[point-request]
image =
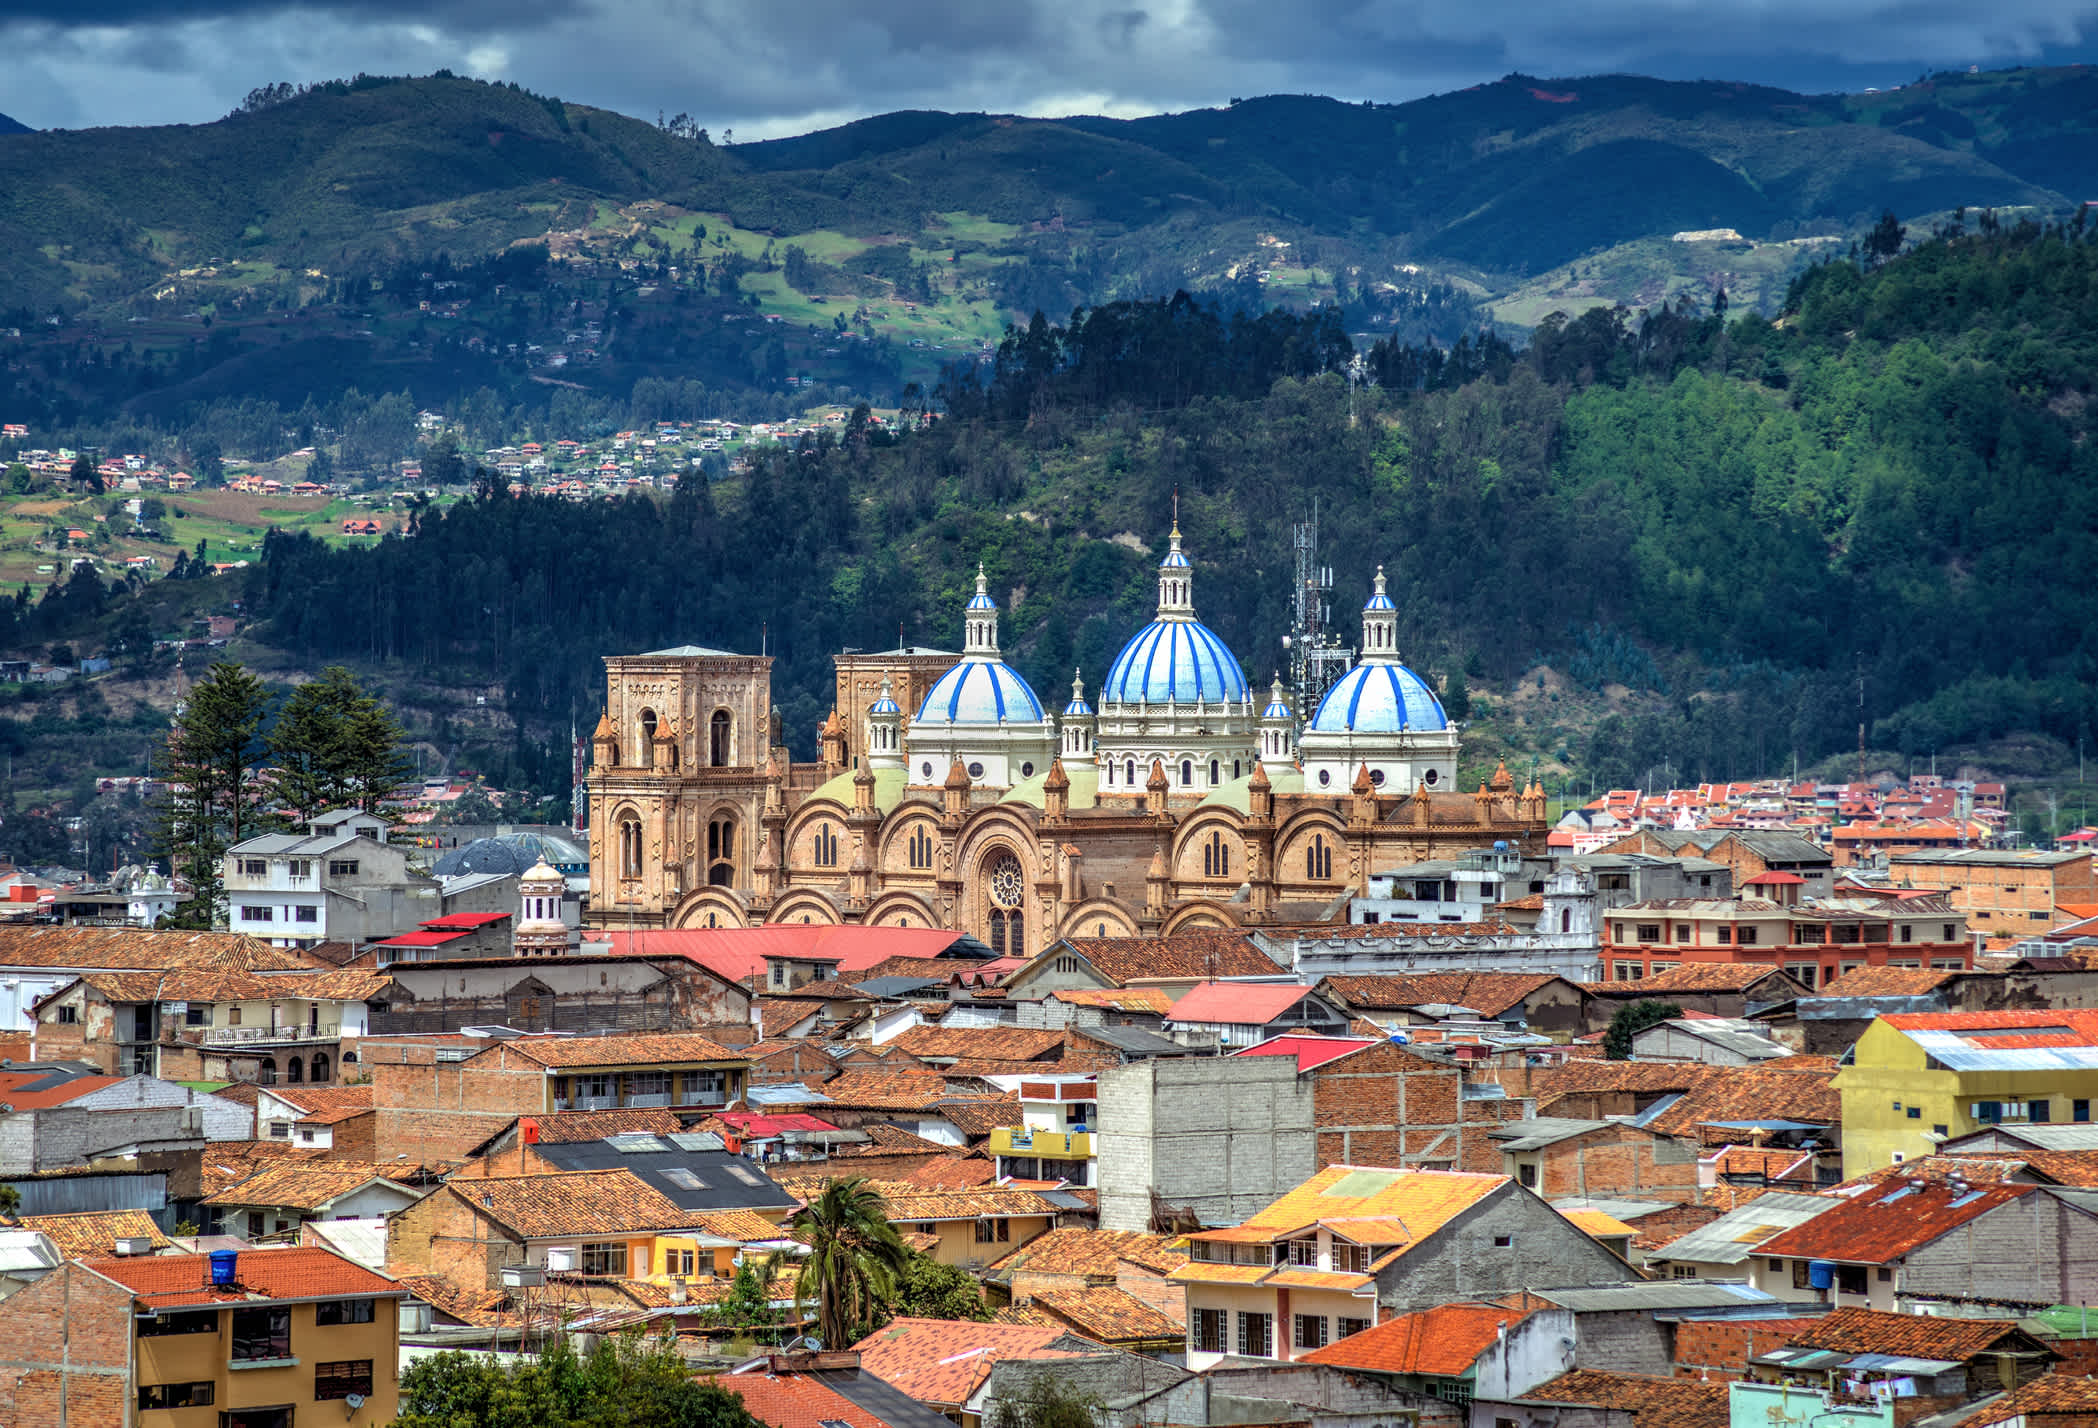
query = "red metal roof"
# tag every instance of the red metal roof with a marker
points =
(466, 919)
(738, 953)
(1237, 1003)
(1776, 880)
(757, 1126)
(421, 939)
(1310, 1051)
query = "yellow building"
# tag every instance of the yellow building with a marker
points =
(1918, 1080)
(256, 1339)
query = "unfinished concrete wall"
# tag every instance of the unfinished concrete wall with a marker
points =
(1220, 1137)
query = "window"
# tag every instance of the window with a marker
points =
(67, 1016)
(1351, 1259)
(307, 912)
(2039, 1112)
(1915, 1113)
(1526, 1173)
(678, 1262)
(2080, 1111)
(1723, 935)
(1682, 932)
(197, 1015)
(1216, 857)
(1301, 1252)
(194, 1321)
(1776, 1264)
(1310, 1331)
(342, 867)
(826, 846)
(1746, 937)
(1214, 768)
(1850, 1279)
(176, 1395)
(1682, 1271)
(920, 847)
(1939, 1131)
(254, 867)
(1883, 1275)
(648, 1083)
(718, 738)
(1988, 1112)
(340, 1380)
(994, 1231)
(280, 1130)
(249, 912)
(302, 867)
(260, 1335)
(605, 1258)
(1503, 1241)
(1256, 1335)
(683, 1178)
(1187, 772)
(1908, 933)
(1649, 932)
(1206, 1332)
(1799, 1273)
(1318, 859)
(343, 1311)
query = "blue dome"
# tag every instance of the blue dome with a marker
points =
(1379, 699)
(1078, 708)
(1174, 661)
(1276, 710)
(980, 691)
(885, 705)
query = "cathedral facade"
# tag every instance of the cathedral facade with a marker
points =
(948, 795)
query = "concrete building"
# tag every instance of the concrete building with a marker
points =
(1815, 940)
(1212, 1138)
(592, 992)
(338, 881)
(2001, 892)
(59, 1118)
(1564, 942)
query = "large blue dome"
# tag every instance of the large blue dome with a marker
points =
(1379, 698)
(980, 691)
(1174, 662)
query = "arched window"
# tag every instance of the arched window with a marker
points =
(826, 846)
(266, 1073)
(630, 847)
(648, 737)
(717, 739)
(920, 847)
(721, 853)
(320, 1068)
(293, 1072)
(1234, 768)
(1129, 772)
(1216, 857)
(1566, 919)
(1213, 779)
(1187, 772)
(1318, 859)
(1005, 888)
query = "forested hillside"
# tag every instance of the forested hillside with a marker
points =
(1890, 495)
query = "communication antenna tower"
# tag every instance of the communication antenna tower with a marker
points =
(1317, 658)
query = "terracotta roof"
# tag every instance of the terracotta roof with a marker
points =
(325, 1105)
(1489, 993)
(1886, 982)
(299, 1185)
(916, 1204)
(953, 1172)
(796, 1401)
(1748, 1093)
(1889, 1220)
(1000, 1043)
(1123, 960)
(1975, 1167)
(888, 1090)
(977, 1116)
(130, 947)
(1651, 1402)
(1692, 977)
(481, 1307)
(36, 1090)
(747, 1226)
(1578, 1076)
(1091, 1253)
(1922, 1336)
(2046, 1402)
(565, 1127)
(296, 1272)
(1109, 1314)
(1026, 1314)
(647, 1049)
(892, 1138)
(1127, 999)
(1597, 1225)
(582, 1202)
(94, 1233)
(1445, 1341)
(942, 1361)
(1070, 1063)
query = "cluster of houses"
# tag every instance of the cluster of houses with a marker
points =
(1373, 1170)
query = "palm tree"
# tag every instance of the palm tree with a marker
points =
(855, 1259)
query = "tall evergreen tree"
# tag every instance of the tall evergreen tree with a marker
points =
(208, 762)
(335, 746)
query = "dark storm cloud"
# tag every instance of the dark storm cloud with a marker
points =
(772, 66)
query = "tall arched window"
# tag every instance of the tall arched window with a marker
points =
(320, 1068)
(1318, 859)
(1213, 768)
(721, 853)
(717, 739)
(1187, 773)
(648, 737)
(1566, 919)
(826, 846)
(920, 847)
(293, 1071)
(266, 1073)
(1216, 857)
(630, 847)
(1129, 772)
(1005, 892)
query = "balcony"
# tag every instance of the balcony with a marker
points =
(1053, 1145)
(262, 1035)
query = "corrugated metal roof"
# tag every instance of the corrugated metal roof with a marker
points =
(1655, 1294)
(1733, 1237)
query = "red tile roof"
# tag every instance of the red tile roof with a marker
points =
(1923, 1336)
(738, 953)
(1890, 1220)
(15, 1096)
(796, 1401)
(1445, 1341)
(943, 1361)
(299, 1272)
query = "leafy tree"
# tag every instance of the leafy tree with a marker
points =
(208, 762)
(442, 464)
(626, 1381)
(1456, 696)
(748, 1306)
(1884, 241)
(10, 1200)
(855, 1262)
(86, 473)
(1631, 1019)
(1047, 1401)
(931, 1290)
(20, 479)
(335, 746)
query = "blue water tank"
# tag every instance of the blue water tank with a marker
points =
(222, 1265)
(1821, 1274)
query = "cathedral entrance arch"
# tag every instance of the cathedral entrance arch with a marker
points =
(1196, 916)
(710, 907)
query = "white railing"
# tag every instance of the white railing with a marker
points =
(254, 1035)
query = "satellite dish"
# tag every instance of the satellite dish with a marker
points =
(354, 1401)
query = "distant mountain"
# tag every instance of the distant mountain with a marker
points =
(1498, 183)
(14, 126)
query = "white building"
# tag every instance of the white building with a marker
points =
(339, 881)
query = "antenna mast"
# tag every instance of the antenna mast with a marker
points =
(1317, 658)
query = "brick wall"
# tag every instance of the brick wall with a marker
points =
(1387, 1106)
(431, 1110)
(70, 1356)
(1722, 1348)
(442, 1234)
(356, 1138)
(805, 1062)
(1622, 1162)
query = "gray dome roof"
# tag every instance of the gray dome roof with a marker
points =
(510, 854)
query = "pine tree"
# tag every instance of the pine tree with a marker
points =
(335, 746)
(1456, 696)
(208, 763)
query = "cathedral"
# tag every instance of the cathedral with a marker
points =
(948, 795)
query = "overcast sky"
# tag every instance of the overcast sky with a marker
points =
(770, 67)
